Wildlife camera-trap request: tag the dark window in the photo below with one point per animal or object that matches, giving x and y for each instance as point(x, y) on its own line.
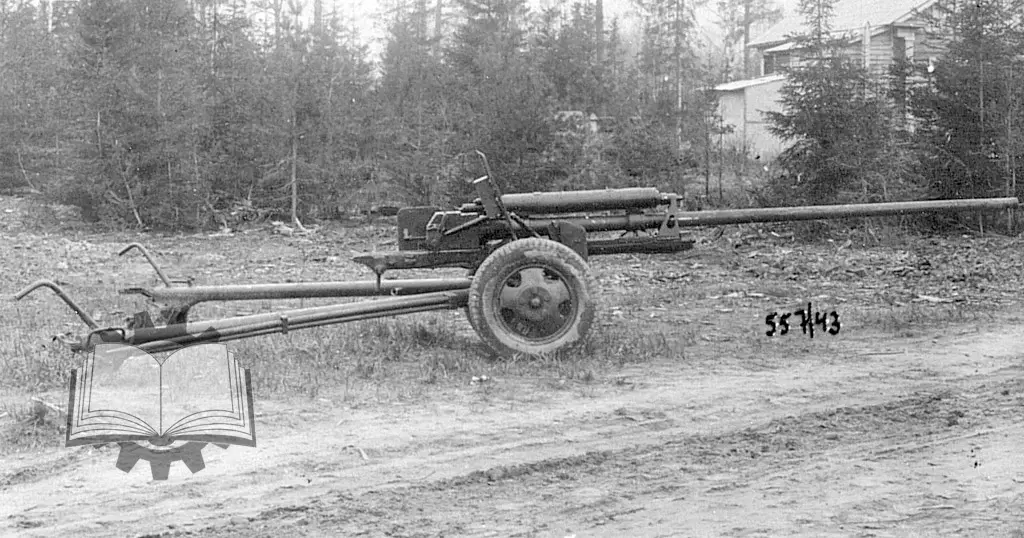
point(899, 56)
point(899, 49)
point(774, 63)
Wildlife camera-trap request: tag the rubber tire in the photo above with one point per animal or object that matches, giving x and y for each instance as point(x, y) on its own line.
point(509, 259)
point(469, 315)
point(470, 319)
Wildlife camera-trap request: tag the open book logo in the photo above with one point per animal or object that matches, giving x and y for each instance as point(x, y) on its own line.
point(161, 410)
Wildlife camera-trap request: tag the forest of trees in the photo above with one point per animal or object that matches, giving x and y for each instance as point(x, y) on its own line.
point(186, 114)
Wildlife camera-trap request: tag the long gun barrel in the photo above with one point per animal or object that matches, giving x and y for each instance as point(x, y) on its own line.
point(888, 209)
point(689, 219)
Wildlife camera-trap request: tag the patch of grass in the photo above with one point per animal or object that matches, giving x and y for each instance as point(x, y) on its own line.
point(35, 366)
point(913, 319)
point(354, 356)
point(24, 428)
point(628, 345)
point(439, 365)
point(30, 358)
point(378, 359)
point(587, 366)
point(717, 289)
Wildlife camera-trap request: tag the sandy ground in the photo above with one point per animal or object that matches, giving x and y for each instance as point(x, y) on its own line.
point(919, 437)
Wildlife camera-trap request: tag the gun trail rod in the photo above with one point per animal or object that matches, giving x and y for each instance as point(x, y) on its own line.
point(172, 337)
point(310, 290)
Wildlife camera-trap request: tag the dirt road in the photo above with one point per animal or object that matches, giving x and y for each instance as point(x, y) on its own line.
point(918, 436)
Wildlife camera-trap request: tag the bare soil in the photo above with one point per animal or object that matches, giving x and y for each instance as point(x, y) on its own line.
point(907, 423)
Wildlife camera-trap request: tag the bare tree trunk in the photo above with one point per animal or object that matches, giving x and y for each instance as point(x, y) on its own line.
point(159, 92)
point(438, 13)
point(1011, 145)
point(679, 89)
point(707, 154)
point(213, 46)
point(24, 174)
point(421, 21)
point(278, 7)
point(721, 158)
point(131, 197)
point(99, 135)
point(981, 104)
point(746, 38)
point(295, 182)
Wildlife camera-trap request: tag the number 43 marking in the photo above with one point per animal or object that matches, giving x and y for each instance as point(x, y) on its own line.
point(805, 322)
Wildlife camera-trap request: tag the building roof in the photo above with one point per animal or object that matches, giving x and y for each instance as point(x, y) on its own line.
point(741, 84)
point(849, 16)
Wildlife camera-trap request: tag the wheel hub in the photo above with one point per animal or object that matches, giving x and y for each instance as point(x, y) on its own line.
point(535, 302)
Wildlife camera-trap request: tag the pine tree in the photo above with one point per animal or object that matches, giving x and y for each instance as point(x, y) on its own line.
point(841, 125)
point(504, 112)
point(970, 109)
point(136, 68)
point(34, 150)
point(415, 123)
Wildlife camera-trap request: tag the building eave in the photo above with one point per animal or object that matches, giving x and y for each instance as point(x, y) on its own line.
point(737, 85)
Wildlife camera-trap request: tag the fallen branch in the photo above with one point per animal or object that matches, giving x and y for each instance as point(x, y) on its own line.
point(24, 174)
point(361, 452)
point(50, 406)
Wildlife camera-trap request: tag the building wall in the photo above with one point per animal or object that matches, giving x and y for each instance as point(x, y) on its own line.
point(759, 99)
point(882, 52)
point(928, 44)
point(743, 110)
point(730, 108)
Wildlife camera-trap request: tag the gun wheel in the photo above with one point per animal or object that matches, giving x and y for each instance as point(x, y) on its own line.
point(533, 296)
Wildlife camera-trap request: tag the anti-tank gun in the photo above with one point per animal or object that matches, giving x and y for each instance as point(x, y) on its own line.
point(529, 288)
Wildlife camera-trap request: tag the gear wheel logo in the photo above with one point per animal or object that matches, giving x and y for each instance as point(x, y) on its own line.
point(161, 410)
point(160, 458)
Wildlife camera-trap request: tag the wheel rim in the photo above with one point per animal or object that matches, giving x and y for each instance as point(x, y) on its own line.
point(535, 303)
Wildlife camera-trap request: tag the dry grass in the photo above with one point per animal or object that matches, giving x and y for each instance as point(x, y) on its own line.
point(914, 319)
point(389, 356)
point(377, 361)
